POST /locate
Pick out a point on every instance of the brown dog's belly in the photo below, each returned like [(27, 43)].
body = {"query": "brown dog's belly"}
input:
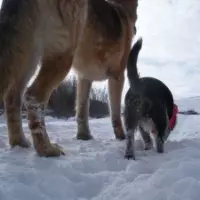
[(97, 62), (90, 71)]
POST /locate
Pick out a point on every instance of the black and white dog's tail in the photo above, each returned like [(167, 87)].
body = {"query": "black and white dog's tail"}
[(132, 72)]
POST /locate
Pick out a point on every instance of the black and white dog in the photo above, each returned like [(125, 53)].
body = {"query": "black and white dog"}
[(149, 106)]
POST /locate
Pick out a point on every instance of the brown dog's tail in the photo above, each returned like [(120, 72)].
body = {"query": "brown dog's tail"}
[(132, 72)]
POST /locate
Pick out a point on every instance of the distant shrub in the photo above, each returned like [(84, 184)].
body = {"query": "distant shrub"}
[(62, 101)]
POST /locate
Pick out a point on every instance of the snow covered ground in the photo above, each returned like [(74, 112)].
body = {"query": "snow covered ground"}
[(96, 169)]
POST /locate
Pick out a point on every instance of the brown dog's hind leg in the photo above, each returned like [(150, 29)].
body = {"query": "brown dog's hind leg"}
[(12, 103), (52, 72), (82, 109), (115, 92)]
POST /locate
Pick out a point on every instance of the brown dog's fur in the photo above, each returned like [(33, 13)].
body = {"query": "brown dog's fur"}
[(92, 36)]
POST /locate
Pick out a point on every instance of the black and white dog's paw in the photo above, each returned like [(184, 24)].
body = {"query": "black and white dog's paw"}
[(148, 146), (130, 155)]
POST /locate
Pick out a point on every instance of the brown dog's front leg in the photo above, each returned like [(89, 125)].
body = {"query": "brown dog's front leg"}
[(82, 109), (53, 71), (37, 126), (115, 91)]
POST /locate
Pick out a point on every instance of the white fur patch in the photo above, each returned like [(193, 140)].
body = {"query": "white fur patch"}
[(147, 124), (34, 108)]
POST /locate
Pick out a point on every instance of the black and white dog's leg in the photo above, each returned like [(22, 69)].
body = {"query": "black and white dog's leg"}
[(162, 123), (148, 144), (130, 144), (131, 122)]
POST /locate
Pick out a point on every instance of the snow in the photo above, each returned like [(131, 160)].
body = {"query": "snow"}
[(96, 169)]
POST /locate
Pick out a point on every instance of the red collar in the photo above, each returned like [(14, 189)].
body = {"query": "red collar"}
[(172, 121)]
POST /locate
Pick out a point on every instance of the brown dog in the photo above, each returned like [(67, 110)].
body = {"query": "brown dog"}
[(92, 36)]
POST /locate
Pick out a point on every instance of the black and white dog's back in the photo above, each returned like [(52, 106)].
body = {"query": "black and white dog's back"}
[(149, 106)]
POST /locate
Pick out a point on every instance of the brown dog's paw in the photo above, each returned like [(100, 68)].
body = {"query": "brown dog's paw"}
[(52, 150), (120, 137), (22, 142), (118, 130), (84, 136), (119, 133)]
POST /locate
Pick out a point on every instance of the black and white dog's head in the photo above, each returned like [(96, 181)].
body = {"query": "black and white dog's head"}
[(149, 107)]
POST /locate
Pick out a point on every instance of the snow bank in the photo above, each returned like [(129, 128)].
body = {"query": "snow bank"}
[(97, 170)]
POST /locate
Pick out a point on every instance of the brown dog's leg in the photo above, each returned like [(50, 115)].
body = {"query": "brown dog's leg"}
[(12, 103), (13, 99), (115, 91), (53, 71), (82, 109)]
